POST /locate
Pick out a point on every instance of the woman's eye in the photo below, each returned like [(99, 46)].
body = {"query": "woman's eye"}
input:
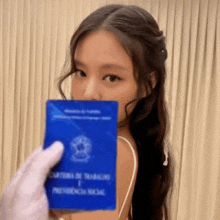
[(112, 78), (80, 73)]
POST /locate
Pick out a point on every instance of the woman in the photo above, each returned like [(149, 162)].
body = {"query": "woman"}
[(118, 53)]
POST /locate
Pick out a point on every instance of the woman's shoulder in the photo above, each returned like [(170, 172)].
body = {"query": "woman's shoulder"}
[(127, 152), (127, 166), (126, 177)]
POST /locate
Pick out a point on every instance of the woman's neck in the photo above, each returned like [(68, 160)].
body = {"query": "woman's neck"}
[(123, 131)]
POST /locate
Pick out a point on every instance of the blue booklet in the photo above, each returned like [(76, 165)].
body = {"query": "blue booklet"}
[(85, 178)]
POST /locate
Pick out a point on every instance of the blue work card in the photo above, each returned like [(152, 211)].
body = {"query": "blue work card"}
[(85, 177)]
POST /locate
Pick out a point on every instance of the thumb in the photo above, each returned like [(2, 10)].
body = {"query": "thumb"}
[(53, 154), (47, 159)]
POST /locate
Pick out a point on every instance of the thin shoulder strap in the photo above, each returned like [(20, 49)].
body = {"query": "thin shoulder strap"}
[(135, 165)]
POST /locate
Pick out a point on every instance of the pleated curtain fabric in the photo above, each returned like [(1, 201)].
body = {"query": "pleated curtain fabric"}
[(34, 41)]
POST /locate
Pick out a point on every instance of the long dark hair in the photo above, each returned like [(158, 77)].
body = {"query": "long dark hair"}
[(140, 36)]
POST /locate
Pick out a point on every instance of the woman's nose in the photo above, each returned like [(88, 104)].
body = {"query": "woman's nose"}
[(92, 90)]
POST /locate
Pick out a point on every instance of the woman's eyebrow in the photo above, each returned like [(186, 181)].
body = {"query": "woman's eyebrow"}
[(104, 66), (113, 66)]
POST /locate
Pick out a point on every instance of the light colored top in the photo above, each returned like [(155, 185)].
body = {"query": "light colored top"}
[(131, 183)]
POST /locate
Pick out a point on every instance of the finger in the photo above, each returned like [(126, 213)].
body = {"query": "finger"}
[(47, 159), (53, 154)]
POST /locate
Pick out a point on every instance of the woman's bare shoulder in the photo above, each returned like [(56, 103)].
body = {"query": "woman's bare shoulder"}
[(126, 156), (125, 168), (127, 165)]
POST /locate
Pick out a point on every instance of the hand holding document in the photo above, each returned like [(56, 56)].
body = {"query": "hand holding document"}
[(25, 196), (75, 169)]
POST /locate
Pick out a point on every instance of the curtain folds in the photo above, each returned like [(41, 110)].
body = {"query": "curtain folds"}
[(34, 39)]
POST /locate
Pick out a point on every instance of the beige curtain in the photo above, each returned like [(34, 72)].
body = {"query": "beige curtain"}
[(34, 39)]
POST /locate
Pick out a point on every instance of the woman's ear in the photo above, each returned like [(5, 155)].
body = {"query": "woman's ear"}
[(147, 90), (153, 79)]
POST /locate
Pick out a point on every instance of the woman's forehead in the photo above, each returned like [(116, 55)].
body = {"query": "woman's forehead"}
[(102, 47)]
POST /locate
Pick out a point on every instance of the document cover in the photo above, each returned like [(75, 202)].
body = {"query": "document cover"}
[(85, 177)]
